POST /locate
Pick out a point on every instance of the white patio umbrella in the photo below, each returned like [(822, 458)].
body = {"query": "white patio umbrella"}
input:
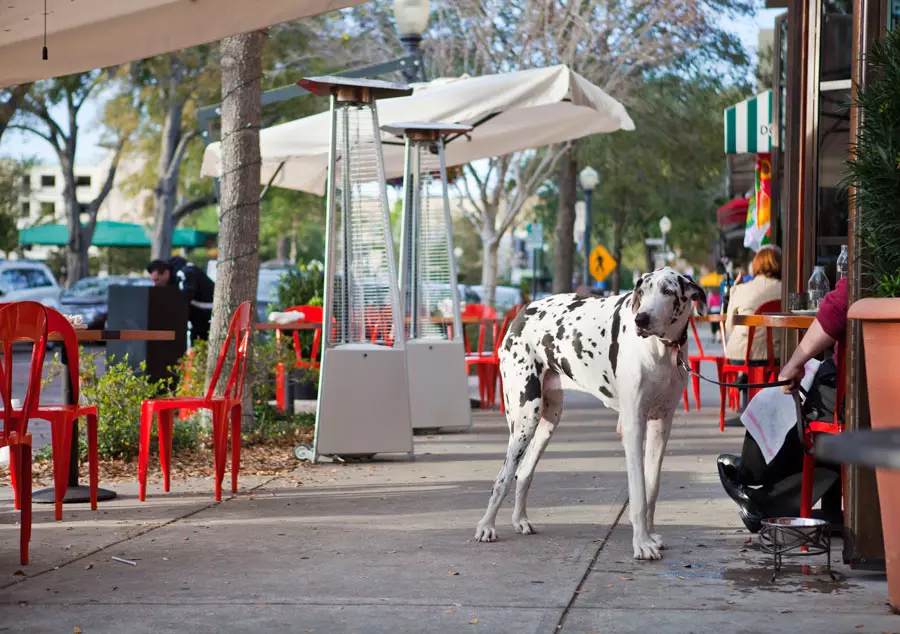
[(510, 112), (86, 34)]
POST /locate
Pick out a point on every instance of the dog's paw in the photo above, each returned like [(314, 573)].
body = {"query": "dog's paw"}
[(657, 539), (523, 526), (646, 548), (485, 533)]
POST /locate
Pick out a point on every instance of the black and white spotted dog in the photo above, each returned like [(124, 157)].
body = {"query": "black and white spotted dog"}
[(622, 349)]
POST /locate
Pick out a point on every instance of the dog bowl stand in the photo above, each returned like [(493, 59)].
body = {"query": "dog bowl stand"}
[(795, 537)]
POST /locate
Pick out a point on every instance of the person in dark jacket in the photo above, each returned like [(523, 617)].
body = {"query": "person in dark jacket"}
[(194, 284)]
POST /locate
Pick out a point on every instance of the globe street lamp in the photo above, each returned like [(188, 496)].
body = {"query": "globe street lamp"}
[(589, 179), (412, 20), (665, 226)]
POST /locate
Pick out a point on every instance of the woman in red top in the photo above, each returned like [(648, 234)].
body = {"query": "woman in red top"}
[(768, 490)]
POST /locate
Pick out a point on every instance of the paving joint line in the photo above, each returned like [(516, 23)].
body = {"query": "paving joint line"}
[(590, 568), (140, 533)]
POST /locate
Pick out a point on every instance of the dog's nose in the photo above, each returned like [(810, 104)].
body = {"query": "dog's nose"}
[(642, 320)]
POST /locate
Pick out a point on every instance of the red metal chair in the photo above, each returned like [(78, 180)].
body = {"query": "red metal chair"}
[(222, 407), (492, 362), (755, 373), (311, 315), (810, 429), (62, 418), (21, 321), (694, 361)]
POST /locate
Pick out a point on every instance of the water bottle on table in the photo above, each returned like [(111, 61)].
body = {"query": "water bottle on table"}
[(818, 287), (843, 263)]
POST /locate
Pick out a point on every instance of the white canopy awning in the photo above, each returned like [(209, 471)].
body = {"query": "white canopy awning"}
[(510, 112), (86, 34)]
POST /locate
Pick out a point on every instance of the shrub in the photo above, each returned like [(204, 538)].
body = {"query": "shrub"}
[(303, 286), (118, 395)]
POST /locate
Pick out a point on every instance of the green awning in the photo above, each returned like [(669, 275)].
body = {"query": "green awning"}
[(748, 125), (112, 234)]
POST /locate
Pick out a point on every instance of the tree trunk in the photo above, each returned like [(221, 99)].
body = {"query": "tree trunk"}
[(77, 248), (167, 183), (648, 251), (618, 241), (283, 252), (564, 235), (489, 264), (237, 272)]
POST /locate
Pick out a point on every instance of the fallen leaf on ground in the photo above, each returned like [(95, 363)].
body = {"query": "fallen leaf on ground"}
[(89, 566), (76, 629), (450, 611), (19, 573), (474, 621), (626, 578), (610, 585), (730, 602)]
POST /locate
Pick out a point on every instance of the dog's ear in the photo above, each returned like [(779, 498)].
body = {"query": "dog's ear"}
[(636, 294), (697, 294)]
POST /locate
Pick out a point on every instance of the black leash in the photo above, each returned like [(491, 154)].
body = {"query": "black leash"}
[(744, 386)]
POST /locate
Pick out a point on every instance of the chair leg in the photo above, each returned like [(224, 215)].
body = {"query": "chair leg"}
[(723, 396), (25, 481), (236, 419), (280, 399), (61, 441), (806, 487), (14, 477), (695, 382), (166, 420), (684, 395), (220, 440), (144, 449), (93, 459)]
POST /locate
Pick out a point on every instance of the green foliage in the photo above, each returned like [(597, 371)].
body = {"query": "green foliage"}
[(303, 286), (118, 394), (274, 425), (12, 188), (874, 172)]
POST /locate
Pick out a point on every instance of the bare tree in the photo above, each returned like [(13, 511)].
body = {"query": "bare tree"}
[(237, 271), (10, 101), (35, 116)]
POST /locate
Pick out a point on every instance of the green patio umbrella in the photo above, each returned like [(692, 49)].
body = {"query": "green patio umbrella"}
[(112, 234)]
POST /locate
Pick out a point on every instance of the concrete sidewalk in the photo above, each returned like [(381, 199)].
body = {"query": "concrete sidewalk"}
[(387, 547)]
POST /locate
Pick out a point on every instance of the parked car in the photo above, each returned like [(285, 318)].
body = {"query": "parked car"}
[(505, 297), (89, 298), (22, 280)]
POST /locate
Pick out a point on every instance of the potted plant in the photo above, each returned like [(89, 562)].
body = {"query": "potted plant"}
[(874, 173)]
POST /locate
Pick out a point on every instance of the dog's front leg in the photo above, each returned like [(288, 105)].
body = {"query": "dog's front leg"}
[(633, 428), (655, 449)]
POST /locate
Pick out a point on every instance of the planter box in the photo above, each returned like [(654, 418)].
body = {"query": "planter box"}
[(881, 336)]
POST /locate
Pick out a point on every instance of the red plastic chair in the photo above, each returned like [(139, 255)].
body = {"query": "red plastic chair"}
[(222, 407), (810, 430), (477, 311), (21, 321), (480, 358), (62, 418), (311, 315), (755, 373), (694, 361), (492, 363)]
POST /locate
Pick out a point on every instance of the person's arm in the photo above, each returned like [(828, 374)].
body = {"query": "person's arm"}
[(187, 283), (815, 341)]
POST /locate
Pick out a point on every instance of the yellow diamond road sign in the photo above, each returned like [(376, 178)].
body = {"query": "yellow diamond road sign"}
[(602, 263)]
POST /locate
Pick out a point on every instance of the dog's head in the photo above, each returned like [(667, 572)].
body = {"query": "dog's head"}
[(663, 301)]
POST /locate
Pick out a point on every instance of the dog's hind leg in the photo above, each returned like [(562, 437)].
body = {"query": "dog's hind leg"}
[(523, 414), (654, 451), (550, 414)]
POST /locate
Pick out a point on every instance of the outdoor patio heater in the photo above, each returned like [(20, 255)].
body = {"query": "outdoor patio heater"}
[(435, 353), (363, 407)]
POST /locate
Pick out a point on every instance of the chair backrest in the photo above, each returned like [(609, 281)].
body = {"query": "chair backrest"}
[(766, 308), (311, 315), (58, 324), (696, 336), (22, 321), (477, 311), (239, 331)]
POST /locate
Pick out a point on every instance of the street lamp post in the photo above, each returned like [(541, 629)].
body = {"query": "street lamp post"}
[(589, 179), (665, 226), (412, 20)]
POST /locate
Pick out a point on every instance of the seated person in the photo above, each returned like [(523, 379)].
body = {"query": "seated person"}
[(769, 490), (745, 298)]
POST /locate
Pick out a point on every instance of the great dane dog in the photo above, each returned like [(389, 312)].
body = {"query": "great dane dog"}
[(625, 350)]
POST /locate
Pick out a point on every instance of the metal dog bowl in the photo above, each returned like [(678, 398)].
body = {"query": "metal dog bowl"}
[(795, 536)]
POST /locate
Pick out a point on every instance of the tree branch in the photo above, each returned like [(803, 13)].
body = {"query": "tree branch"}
[(110, 177), (185, 209), (178, 155)]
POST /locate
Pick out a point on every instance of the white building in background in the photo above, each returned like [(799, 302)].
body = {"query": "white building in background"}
[(44, 203)]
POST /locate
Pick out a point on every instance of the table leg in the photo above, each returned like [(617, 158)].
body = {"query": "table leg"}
[(75, 492)]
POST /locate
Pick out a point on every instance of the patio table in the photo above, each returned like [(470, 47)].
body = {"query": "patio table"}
[(76, 492)]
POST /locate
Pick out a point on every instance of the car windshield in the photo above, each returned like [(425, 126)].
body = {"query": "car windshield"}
[(268, 284), (89, 287)]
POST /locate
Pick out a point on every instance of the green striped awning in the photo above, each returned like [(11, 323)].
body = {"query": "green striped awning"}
[(748, 125)]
